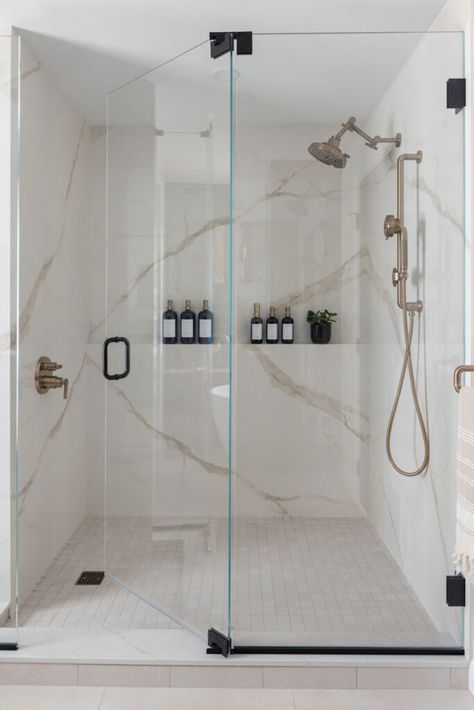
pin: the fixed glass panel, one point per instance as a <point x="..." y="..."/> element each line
<point x="167" y="422"/>
<point x="331" y="545"/>
<point x="10" y="350"/>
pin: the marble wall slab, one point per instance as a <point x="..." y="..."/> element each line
<point x="416" y="517"/>
<point x="54" y="318"/>
<point x="161" y="424"/>
<point x="298" y="441"/>
<point x="289" y="247"/>
<point x="8" y="182"/>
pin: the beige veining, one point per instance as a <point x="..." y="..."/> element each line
<point x="29" y="305"/>
<point x="333" y="407"/>
<point x="277" y="502"/>
<point x="420" y="183"/>
<point x="32" y="477"/>
<point x="210" y="225"/>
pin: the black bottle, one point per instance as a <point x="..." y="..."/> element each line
<point x="256" y="325"/>
<point x="188" y="324"/>
<point x="272" y="327"/>
<point x="205" y="324"/>
<point x="170" y="324"/>
<point x="287" y="327"/>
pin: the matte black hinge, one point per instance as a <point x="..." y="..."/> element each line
<point x="218" y="643"/>
<point x="455" y="590"/>
<point x="223" y="42"/>
<point x="456" y="94"/>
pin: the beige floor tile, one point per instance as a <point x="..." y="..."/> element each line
<point x="196" y="699"/>
<point x="383" y="700"/>
<point x="28" y="697"/>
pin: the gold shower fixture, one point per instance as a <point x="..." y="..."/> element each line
<point x="45" y="380"/>
<point x="396" y="225"/>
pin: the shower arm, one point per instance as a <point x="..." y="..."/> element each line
<point x="350" y="125"/>
<point x="396" y="225"/>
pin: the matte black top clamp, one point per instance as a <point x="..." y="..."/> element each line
<point x="224" y="42"/>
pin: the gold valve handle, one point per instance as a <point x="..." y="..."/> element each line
<point x="51" y="366"/>
<point x="45" y="380"/>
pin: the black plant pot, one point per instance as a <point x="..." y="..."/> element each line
<point x="320" y="333"/>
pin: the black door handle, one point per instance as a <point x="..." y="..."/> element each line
<point x="105" y="368"/>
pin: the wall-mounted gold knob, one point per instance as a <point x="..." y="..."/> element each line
<point x="45" y="381"/>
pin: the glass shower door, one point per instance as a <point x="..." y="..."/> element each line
<point x="167" y="403"/>
<point x="331" y="546"/>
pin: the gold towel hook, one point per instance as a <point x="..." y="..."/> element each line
<point x="458" y="372"/>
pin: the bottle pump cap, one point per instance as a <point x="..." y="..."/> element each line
<point x="287" y="311"/>
<point x="256" y="309"/>
<point x="187" y="304"/>
<point x="170" y="304"/>
<point x="272" y="311"/>
<point x="205" y="304"/>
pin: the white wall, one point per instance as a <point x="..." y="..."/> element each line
<point x="166" y="456"/>
<point x="54" y="318"/>
<point x="416" y="514"/>
<point x="8" y="148"/>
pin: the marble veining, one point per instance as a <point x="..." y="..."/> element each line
<point x="209" y="226"/>
<point x="189" y="454"/>
<point x="278" y="502"/>
<point x="52" y="433"/>
<point x="29" y="305"/>
<point x="420" y="183"/>
<point x="28" y="72"/>
<point x="54" y="316"/>
<point x="331" y="406"/>
<point x="413" y="514"/>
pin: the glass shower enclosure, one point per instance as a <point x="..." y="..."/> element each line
<point x="248" y="489"/>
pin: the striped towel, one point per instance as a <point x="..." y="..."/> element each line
<point x="464" y="553"/>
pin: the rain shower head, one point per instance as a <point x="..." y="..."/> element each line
<point x="330" y="153"/>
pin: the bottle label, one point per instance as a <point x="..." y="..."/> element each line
<point x="272" y="331"/>
<point x="287" y="331"/>
<point x="256" y="331"/>
<point x="205" y="328"/>
<point x="187" y="328"/>
<point x="169" y="328"/>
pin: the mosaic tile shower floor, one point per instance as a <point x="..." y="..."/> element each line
<point x="326" y="579"/>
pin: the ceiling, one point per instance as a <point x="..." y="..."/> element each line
<point x="92" y="46"/>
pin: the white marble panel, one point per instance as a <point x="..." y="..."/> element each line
<point x="287" y="250"/>
<point x="301" y="433"/>
<point x="415" y="517"/>
<point x="54" y="318"/>
<point x="8" y="146"/>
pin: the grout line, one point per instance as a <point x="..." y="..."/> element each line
<point x="101" y="699"/>
<point x="293" y="699"/>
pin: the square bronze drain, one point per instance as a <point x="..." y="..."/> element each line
<point x="89" y="577"/>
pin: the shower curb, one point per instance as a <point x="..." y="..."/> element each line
<point x="345" y="675"/>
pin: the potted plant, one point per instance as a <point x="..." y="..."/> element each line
<point x="320" y="323"/>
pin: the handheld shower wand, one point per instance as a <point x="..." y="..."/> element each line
<point x="396" y="225"/>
